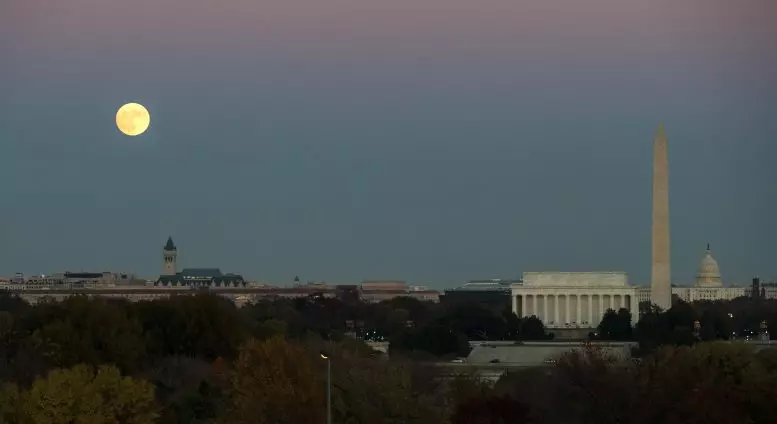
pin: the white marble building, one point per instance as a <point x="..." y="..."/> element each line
<point x="573" y="299"/>
<point x="708" y="284"/>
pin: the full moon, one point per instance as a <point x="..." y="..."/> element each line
<point x="133" y="119"/>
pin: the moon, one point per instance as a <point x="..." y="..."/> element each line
<point x="133" y="119"/>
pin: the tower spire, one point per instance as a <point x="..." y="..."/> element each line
<point x="661" y="285"/>
<point x="169" y="258"/>
<point x="170" y="245"/>
<point x="660" y="132"/>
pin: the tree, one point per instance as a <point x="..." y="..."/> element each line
<point x="274" y="381"/>
<point x="10" y="410"/>
<point x="673" y="327"/>
<point x="532" y="328"/>
<point x="188" y="389"/>
<point x="718" y="383"/>
<point x="13" y="304"/>
<point x="205" y="325"/>
<point x="615" y="326"/>
<point x="436" y="340"/>
<point x="6" y="323"/>
<point x="710" y="383"/>
<point x="467" y="386"/>
<point x="595" y="386"/>
<point x="491" y="410"/>
<point x="82" y="330"/>
<point x="84" y="395"/>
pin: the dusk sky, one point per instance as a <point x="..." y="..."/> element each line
<point x="433" y="141"/>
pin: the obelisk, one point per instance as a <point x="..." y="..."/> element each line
<point x="661" y="286"/>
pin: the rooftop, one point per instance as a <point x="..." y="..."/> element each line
<point x="486" y="285"/>
<point x="201" y="272"/>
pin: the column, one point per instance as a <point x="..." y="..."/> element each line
<point x="534" y="306"/>
<point x="602" y="308"/>
<point x="612" y="301"/>
<point x="566" y="306"/>
<point x="555" y="309"/>
<point x="623" y="301"/>
<point x="515" y="305"/>
<point x="590" y="318"/>
<point x="578" y="313"/>
<point x="523" y="305"/>
<point x="545" y="314"/>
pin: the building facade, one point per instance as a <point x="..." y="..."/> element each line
<point x="708" y="285"/>
<point x="69" y="280"/>
<point x="374" y="291"/>
<point x="573" y="299"/>
<point x="201" y="277"/>
<point x="494" y="293"/>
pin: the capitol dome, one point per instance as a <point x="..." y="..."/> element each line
<point x="709" y="272"/>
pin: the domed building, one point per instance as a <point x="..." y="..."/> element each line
<point x="708" y="285"/>
<point x="709" y="271"/>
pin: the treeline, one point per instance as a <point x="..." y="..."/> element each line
<point x="708" y="383"/>
<point x="200" y="359"/>
<point x="740" y="318"/>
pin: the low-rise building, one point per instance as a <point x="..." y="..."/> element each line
<point x="201" y="277"/>
<point x="374" y="291"/>
<point x="493" y="293"/>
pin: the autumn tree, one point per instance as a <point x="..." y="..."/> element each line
<point x="84" y="395"/>
<point x="274" y="381"/>
<point x="710" y="383"/>
<point x="370" y="391"/>
<point x="596" y="386"/>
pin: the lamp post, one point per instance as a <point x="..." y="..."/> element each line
<point x="328" y="360"/>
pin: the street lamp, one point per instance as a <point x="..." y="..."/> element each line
<point x="328" y="360"/>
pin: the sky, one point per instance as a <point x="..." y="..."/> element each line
<point x="432" y="141"/>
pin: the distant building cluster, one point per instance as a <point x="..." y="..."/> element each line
<point x="195" y="280"/>
<point x="763" y="290"/>
<point x="69" y="280"/>
<point x="564" y="301"/>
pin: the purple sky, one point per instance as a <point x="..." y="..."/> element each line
<point x="428" y="140"/>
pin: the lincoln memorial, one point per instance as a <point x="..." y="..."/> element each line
<point x="573" y="299"/>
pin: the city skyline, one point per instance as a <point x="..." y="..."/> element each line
<point x="170" y="265"/>
<point x="431" y="142"/>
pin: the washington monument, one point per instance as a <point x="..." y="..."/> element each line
<point x="660" y="286"/>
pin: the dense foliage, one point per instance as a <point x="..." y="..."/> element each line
<point x="206" y="360"/>
<point x="198" y="359"/>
